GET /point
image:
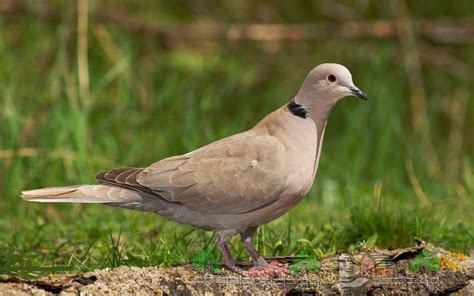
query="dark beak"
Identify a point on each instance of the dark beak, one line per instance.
(358, 93)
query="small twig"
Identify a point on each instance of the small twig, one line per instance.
(416, 185)
(457, 109)
(115, 55)
(61, 153)
(82, 48)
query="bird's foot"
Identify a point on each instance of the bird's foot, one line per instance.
(273, 269)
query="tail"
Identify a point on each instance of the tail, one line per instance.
(102, 194)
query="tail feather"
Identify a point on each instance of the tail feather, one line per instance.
(82, 194)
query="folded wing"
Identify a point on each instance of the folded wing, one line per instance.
(235, 175)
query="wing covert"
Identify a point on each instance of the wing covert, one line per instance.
(235, 175)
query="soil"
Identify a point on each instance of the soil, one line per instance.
(374, 272)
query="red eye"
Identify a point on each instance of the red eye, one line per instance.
(331, 78)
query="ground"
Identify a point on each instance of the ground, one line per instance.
(374, 272)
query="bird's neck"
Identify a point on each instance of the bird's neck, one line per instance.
(318, 112)
(315, 110)
(301, 129)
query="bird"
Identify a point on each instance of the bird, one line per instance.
(233, 185)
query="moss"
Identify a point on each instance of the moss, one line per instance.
(311, 264)
(205, 259)
(425, 261)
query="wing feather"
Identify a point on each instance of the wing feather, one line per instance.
(237, 175)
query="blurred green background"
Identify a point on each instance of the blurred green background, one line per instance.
(86, 86)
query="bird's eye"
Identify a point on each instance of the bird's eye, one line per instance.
(331, 78)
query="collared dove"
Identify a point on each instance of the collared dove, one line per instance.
(236, 184)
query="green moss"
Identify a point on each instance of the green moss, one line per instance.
(205, 259)
(425, 261)
(308, 264)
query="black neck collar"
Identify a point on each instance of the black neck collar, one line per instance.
(296, 109)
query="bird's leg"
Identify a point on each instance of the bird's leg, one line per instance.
(227, 256)
(262, 267)
(246, 238)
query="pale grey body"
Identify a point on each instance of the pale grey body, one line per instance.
(235, 184)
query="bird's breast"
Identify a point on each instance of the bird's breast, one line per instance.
(302, 152)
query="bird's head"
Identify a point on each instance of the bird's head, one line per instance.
(329, 82)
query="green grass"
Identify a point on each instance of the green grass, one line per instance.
(150, 102)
